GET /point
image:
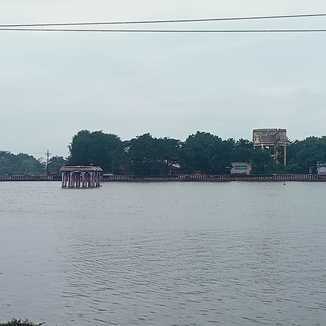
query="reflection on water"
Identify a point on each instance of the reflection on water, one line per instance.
(163, 254)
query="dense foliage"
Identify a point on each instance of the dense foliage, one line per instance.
(21, 164)
(97, 148)
(303, 155)
(145, 155)
(55, 164)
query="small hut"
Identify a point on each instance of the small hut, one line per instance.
(81, 176)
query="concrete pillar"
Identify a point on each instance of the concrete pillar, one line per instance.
(78, 180)
(83, 179)
(97, 179)
(93, 179)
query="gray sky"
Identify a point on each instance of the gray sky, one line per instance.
(54, 84)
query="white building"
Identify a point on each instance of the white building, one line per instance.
(241, 168)
(321, 168)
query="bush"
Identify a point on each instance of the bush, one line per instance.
(16, 322)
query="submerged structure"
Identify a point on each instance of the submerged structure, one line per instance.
(81, 176)
(273, 139)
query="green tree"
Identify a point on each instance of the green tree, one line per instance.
(206, 153)
(242, 151)
(262, 161)
(27, 164)
(143, 155)
(148, 156)
(96, 148)
(21, 164)
(304, 155)
(55, 164)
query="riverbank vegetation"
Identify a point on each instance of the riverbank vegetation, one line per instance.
(20, 164)
(145, 155)
(202, 153)
(16, 322)
(24, 164)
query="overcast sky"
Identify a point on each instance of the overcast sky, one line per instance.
(54, 84)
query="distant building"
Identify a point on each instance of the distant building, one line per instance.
(321, 168)
(241, 168)
(274, 139)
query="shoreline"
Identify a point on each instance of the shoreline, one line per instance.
(184, 178)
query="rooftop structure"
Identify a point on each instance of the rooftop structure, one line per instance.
(274, 139)
(81, 176)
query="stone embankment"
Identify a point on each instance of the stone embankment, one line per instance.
(219, 178)
(29, 178)
(184, 178)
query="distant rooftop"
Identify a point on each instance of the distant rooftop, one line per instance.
(81, 168)
(270, 136)
(270, 130)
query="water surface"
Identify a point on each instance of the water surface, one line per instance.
(164, 254)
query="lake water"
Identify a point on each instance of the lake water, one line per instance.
(164, 254)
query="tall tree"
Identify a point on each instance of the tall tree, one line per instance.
(150, 156)
(96, 148)
(206, 153)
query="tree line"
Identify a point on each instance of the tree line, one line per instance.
(24, 164)
(146, 155)
(202, 153)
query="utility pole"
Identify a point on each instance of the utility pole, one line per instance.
(47, 162)
(285, 155)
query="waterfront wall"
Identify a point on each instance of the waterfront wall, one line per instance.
(18, 178)
(184, 178)
(219, 178)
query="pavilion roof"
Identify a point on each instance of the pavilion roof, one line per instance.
(81, 168)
